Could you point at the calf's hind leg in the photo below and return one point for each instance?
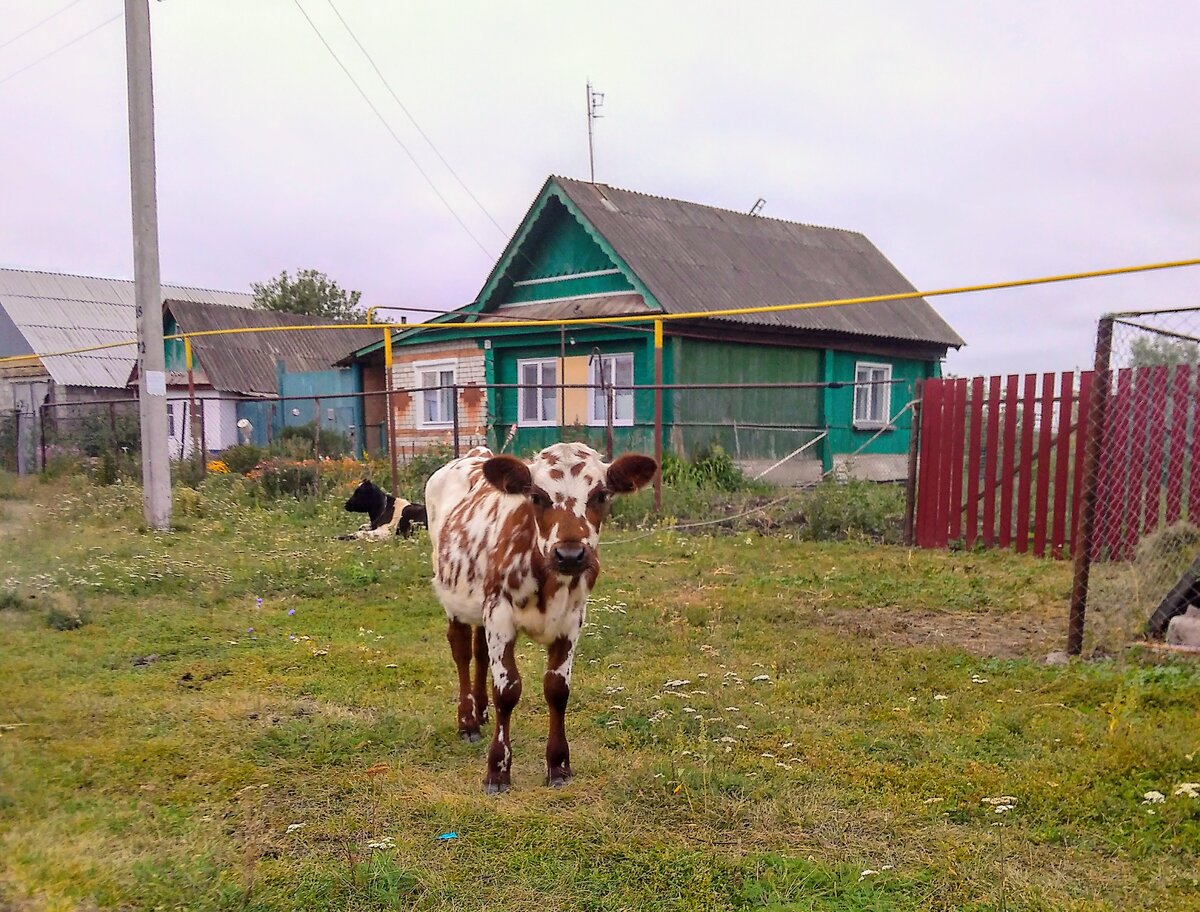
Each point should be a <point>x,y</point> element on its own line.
<point>481,675</point>
<point>506,691</point>
<point>459,636</point>
<point>556,685</point>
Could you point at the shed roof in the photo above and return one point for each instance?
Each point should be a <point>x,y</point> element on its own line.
<point>245,362</point>
<point>693,257</point>
<point>57,312</point>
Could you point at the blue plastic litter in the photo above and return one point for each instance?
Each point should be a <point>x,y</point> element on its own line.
<point>448,836</point>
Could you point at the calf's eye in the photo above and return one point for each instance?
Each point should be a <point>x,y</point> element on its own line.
<point>540,500</point>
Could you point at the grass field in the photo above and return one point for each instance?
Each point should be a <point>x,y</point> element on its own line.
<point>248,714</point>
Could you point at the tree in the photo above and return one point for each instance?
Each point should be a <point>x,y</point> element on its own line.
<point>1147,352</point>
<point>311,293</point>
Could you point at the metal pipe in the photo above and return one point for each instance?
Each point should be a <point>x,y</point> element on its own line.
<point>1088,495</point>
<point>193,420</point>
<point>454,413</point>
<point>42,433</point>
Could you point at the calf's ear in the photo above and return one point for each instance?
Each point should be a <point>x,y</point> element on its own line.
<point>630,473</point>
<point>508,474</point>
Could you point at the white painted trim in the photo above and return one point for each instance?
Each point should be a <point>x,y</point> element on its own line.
<point>876,389</point>
<point>552,420</point>
<point>582,297</point>
<point>563,278</point>
<point>420,367</point>
<point>598,421</point>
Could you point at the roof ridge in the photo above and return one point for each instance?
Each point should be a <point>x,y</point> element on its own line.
<point>100,278</point>
<point>671,199</point>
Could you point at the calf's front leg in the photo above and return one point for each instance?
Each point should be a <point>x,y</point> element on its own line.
<point>506,691</point>
<point>556,685</point>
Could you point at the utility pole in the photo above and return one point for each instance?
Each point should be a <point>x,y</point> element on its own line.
<point>152,378</point>
<point>595,100</point>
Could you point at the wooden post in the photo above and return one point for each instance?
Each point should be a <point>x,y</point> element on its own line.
<point>1091,462</point>
<point>316,427</point>
<point>910,485</point>
<point>658,411</point>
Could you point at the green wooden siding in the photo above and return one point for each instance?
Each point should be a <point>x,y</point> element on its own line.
<point>844,438</point>
<point>173,350</point>
<point>733,418</point>
<point>507,350</point>
<point>561,246</point>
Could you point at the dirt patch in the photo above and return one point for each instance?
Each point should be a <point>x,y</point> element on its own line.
<point>1003,636</point>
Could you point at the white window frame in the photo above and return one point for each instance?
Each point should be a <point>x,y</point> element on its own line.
<point>877,388</point>
<point>550,420</point>
<point>438,367</point>
<point>598,419</point>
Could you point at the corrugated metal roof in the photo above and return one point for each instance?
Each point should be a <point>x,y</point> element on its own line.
<point>245,362</point>
<point>57,312</point>
<point>697,258</point>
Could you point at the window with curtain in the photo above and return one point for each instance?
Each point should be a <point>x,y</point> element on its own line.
<point>616,373</point>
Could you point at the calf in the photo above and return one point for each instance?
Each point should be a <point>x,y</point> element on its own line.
<point>515,551</point>
<point>389,515</point>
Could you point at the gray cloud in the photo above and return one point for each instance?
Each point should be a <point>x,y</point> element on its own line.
<point>971,142</point>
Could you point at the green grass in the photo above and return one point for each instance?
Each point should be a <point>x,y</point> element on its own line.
<point>173,782</point>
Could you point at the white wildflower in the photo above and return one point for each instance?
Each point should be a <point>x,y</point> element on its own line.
<point>866,873</point>
<point>940,697</point>
<point>292,827</point>
<point>682,682</point>
<point>1188,789</point>
<point>1153,797</point>
<point>761,678</point>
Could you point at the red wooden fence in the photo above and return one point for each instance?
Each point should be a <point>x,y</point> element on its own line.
<point>1001,460</point>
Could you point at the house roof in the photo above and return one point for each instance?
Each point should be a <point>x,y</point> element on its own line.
<point>245,362</point>
<point>57,312</point>
<point>700,258</point>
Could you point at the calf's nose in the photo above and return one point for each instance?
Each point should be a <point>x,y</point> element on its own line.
<point>569,555</point>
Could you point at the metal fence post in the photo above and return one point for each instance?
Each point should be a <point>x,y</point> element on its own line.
<point>1091,462</point>
<point>391,413</point>
<point>454,413</point>
<point>658,412</point>
<point>910,485</point>
<point>42,433</point>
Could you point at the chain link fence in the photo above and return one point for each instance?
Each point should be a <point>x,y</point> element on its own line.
<point>1145,523</point>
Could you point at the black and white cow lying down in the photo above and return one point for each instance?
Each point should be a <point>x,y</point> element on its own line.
<point>389,515</point>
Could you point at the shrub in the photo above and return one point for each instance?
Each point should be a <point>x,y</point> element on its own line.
<point>281,477</point>
<point>243,457</point>
<point>297,439</point>
<point>854,510</point>
<point>712,469</point>
<point>106,469</point>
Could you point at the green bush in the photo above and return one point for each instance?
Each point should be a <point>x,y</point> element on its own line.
<point>712,469</point>
<point>242,457</point>
<point>281,478</point>
<point>296,440</point>
<point>854,510</point>
<point>106,469</point>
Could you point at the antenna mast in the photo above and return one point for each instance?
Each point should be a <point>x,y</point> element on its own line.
<point>595,100</point>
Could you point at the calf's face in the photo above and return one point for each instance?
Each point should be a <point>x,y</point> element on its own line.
<point>366,498</point>
<point>569,490</point>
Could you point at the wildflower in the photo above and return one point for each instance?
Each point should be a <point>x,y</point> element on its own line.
<point>678,683</point>
<point>292,827</point>
<point>1189,789</point>
<point>761,678</point>
<point>291,611</point>
<point>867,873</point>
<point>940,697</point>
<point>385,843</point>
<point>1153,797</point>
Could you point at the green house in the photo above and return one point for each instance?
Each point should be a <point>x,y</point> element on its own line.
<point>590,250</point>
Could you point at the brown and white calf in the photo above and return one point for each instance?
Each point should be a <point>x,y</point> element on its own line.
<point>515,550</point>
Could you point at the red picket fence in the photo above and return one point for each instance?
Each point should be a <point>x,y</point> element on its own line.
<point>1000,462</point>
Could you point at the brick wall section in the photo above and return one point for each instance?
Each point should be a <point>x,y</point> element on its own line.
<point>472,397</point>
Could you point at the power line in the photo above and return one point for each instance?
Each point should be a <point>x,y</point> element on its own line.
<point>413,120</point>
<point>39,24</point>
<point>392,133</point>
<point>61,47</point>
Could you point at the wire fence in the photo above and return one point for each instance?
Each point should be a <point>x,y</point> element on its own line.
<point>1144,527</point>
<point>782,433</point>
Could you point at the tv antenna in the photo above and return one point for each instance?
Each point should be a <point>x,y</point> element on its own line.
<point>595,101</point>
<point>758,206</point>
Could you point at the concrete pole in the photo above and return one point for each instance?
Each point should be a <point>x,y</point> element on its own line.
<point>152,386</point>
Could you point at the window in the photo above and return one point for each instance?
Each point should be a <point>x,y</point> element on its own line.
<point>872,395</point>
<point>618,377</point>
<point>170,419</point>
<point>436,380</point>
<point>538,395</point>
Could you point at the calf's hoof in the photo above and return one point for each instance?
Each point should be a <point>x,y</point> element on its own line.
<point>472,736</point>
<point>559,778</point>
<point>495,788</point>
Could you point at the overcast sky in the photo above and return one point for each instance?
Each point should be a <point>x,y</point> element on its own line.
<point>971,142</point>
